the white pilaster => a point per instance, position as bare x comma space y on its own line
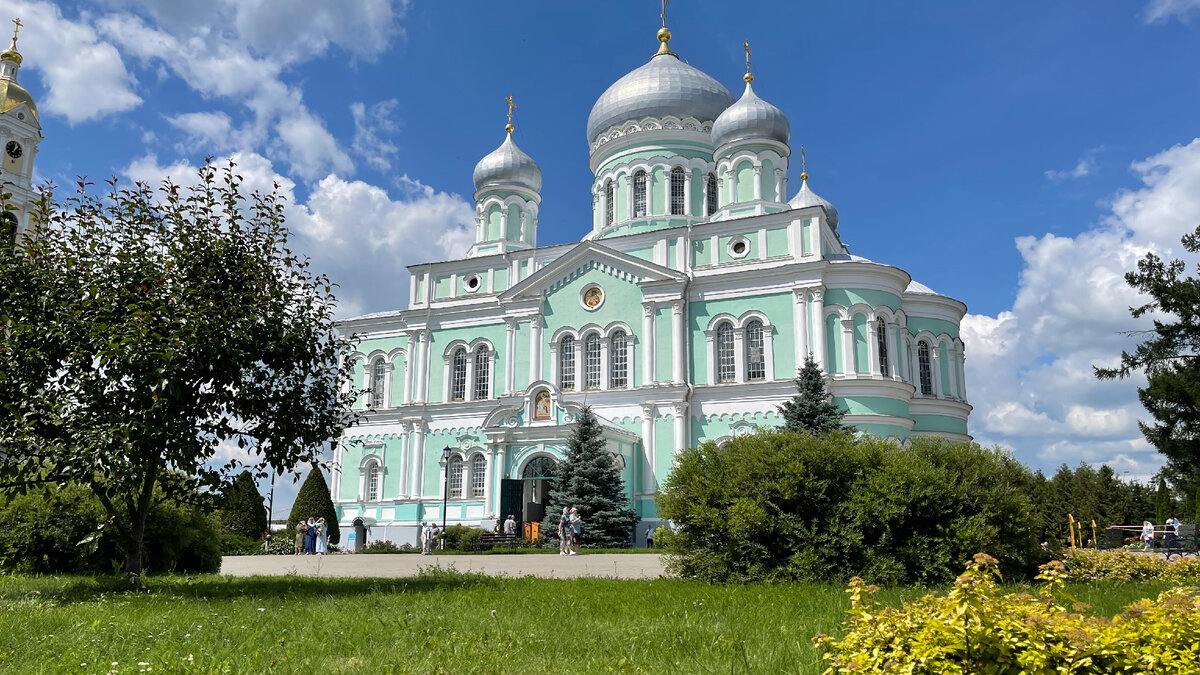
962, 374
649, 410
820, 351
780, 190
893, 357
935, 362
535, 348
647, 343
510, 355
678, 341
687, 192
800, 325
739, 355
405, 457
417, 484
469, 385
679, 411
604, 363
488, 478
758, 192
848, 356
873, 348
409, 361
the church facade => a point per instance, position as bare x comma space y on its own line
682, 317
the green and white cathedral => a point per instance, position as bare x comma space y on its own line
682, 317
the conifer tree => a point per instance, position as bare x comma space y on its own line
242, 510
811, 409
313, 501
590, 481
1162, 502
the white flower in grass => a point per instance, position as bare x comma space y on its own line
262, 609
189, 658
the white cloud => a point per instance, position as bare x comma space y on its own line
212, 128
85, 77
1084, 167
357, 233
1030, 372
1161, 11
372, 126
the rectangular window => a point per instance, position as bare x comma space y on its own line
373, 483
592, 362
478, 475
608, 203
454, 473
618, 356
483, 362
726, 358
378, 372
458, 384
566, 363
639, 194
677, 178
925, 369
756, 355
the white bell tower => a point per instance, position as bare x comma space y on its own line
20, 133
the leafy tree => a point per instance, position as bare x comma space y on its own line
314, 501
143, 328
811, 409
589, 480
242, 511
1169, 357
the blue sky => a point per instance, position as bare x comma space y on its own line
1018, 156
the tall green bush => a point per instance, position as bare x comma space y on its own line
783, 506
242, 511
314, 501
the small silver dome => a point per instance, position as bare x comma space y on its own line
806, 197
665, 86
751, 118
508, 165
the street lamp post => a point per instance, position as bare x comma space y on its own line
446, 452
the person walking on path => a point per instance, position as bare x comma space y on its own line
310, 537
1148, 533
301, 529
322, 537
426, 537
576, 530
510, 525
649, 536
564, 532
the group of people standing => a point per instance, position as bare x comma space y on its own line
1170, 533
312, 537
429, 535
570, 531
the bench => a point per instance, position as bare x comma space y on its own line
491, 540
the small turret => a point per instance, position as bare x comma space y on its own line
508, 186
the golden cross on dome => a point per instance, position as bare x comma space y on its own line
748, 77
803, 164
16, 27
511, 107
664, 12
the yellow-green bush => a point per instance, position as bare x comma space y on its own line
977, 628
1089, 565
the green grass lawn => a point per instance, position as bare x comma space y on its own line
440, 622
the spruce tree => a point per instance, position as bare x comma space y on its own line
313, 501
811, 409
590, 481
1162, 502
242, 511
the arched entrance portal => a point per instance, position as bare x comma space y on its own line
526, 498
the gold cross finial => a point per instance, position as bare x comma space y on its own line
803, 164
511, 107
748, 77
16, 27
664, 12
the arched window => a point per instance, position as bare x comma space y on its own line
454, 473
458, 375
483, 381
618, 360
639, 194
566, 363
677, 178
923, 366
478, 475
710, 193
726, 359
882, 341
756, 353
378, 373
373, 479
591, 361
608, 202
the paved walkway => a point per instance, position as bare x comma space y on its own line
617, 566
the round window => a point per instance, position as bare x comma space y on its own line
739, 247
592, 297
473, 283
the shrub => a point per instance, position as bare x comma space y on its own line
783, 506
56, 531
976, 628
242, 511
181, 539
236, 544
1087, 565
382, 546
461, 537
281, 544
313, 501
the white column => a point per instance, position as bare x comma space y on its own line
405, 457
626, 183
687, 192
417, 485
447, 395
649, 410
335, 472
409, 360
820, 352
962, 374
678, 340
466, 481
848, 357
420, 370
469, 387
739, 355
800, 325
873, 347
780, 190
914, 365
426, 346
604, 363
733, 193
488, 471
535, 348
935, 362
510, 356
498, 473
758, 182
503, 221
893, 357
679, 410
647, 343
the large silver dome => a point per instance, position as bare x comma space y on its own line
508, 165
806, 197
751, 118
665, 86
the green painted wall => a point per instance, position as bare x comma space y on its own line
664, 448
678, 149
500, 279
806, 237
847, 297
493, 222
777, 242
939, 423
663, 344
777, 306
442, 338
723, 246
861, 357
916, 324
833, 345
442, 288
697, 180
745, 181
514, 223
872, 405
621, 203
658, 193
645, 253
767, 178
701, 255
563, 308
521, 339
944, 368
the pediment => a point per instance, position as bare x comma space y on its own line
586, 256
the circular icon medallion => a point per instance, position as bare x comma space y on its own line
593, 297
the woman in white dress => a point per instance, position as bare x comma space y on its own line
322, 536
